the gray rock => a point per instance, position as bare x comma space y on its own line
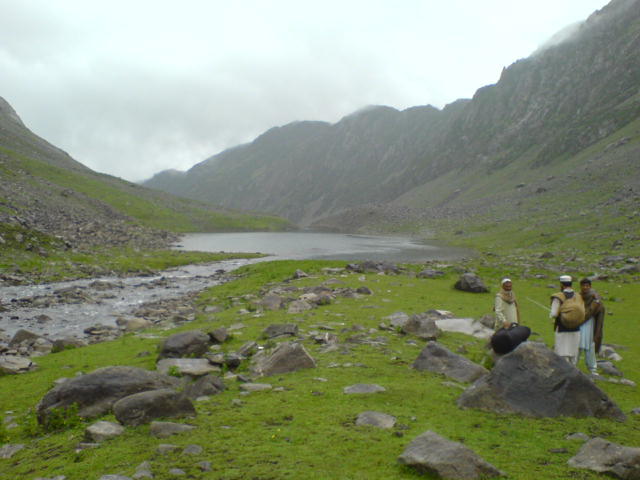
23, 336
194, 343
534, 381
167, 429
299, 306
219, 335
363, 388
96, 392
636, 411
165, 448
207, 385
178, 472
193, 367
204, 466
255, 387
397, 319
583, 437
280, 330
468, 326
133, 324
193, 450
272, 302
143, 471
376, 419
114, 477
287, 357
430, 453
9, 450
438, 359
422, 326
299, 274
430, 273
603, 456
364, 290
141, 408
14, 364
609, 368
102, 430
67, 343
470, 282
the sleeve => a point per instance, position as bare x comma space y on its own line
498, 304
555, 308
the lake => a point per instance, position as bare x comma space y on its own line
329, 246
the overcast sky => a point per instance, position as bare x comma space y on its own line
133, 87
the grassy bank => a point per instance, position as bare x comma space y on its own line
306, 427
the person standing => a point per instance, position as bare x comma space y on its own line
506, 306
592, 329
567, 338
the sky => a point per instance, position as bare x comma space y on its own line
133, 87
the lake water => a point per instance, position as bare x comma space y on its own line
330, 246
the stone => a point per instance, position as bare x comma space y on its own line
114, 477
286, 357
96, 392
299, 306
67, 343
609, 368
219, 335
165, 448
432, 454
533, 381
468, 326
143, 471
193, 367
422, 326
364, 290
397, 319
430, 273
579, 436
206, 385
376, 419
373, 267
194, 343
167, 429
470, 282
134, 324
255, 387
438, 359
300, 274
102, 430
192, 450
22, 336
9, 450
15, 364
602, 456
280, 330
141, 408
364, 388
272, 302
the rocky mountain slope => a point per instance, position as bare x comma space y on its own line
43, 189
544, 111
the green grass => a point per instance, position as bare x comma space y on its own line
307, 429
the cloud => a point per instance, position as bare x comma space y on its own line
131, 88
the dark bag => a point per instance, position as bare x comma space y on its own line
506, 340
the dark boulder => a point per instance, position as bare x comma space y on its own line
141, 408
470, 282
194, 343
534, 381
96, 392
438, 359
432, 454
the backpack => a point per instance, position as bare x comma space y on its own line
572, 313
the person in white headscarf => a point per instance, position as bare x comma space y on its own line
567, 340
506, 306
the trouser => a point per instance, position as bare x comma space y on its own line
589, 357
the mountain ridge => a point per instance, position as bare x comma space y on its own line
547, 107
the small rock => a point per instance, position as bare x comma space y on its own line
363, 388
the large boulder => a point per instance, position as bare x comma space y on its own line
438, 359
534, 381
603, 456
194, 343
286, 357
430, 453
423, 326
96, 392
141, 408
470, 282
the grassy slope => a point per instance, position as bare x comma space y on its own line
307, 430
153, 209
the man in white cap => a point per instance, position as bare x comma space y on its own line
506, 306
567, 338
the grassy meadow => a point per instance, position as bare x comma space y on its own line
305, 427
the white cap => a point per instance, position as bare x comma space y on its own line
565, 279
505, 280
